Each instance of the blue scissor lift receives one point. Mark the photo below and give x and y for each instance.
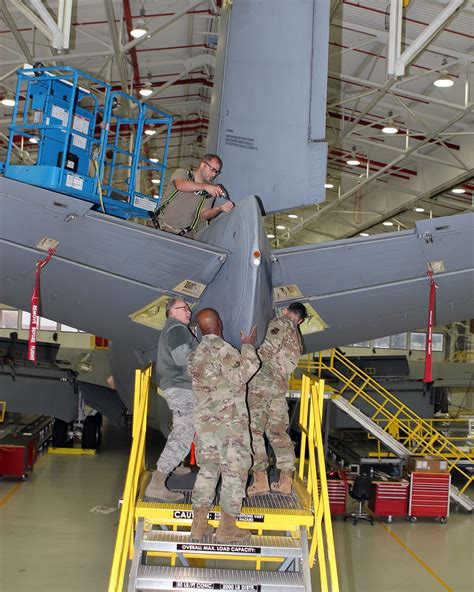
(79, 125)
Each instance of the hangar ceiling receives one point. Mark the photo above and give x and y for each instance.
(431, 153)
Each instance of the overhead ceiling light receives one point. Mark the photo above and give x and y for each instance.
(270, 236)
(33, 140)
(458, 190)
(390, 127)
(419, 210)
(8, 101)
(387, 223)
(146, 90)
(328, 185)
(150, 132)
(364, 234)
(154, 159)
(156, 181)
(293, 216)
(140, 27)
(444, 80)
(280, 227)
(353, 160)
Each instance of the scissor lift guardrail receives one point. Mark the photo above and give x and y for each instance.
(290, 534)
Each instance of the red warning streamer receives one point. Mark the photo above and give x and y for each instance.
(34, 307)
(428, 377)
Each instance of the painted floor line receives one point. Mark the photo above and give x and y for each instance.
(417, 558)
(10, 494)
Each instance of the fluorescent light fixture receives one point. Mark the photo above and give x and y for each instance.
(387, 223)
(352, 161)
(364, 234)
(140, 27)
(417, 209)
(292, 216)
(154, 159)
(150, 132)
(156, 181)
(8, 102)
(390, 127)
(280, 227)
(444, 80)
(328, 185)
(146, 90)
(139, 31)
(33, 140)
(458, 190)
(270, 236)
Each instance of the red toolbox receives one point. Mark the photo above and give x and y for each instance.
(429, 496)
(390, 499)
(14, 460)
(337, 491)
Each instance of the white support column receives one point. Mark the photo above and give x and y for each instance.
(64, 21)
(54, 32)
(394, 36)
(427, 36)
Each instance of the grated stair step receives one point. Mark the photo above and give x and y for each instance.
(179, 542)
(182, 578)
(461, 498)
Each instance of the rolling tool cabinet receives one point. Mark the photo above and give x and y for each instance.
(390, 499)
(429, 496)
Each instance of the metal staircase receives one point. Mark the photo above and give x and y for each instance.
(394, 424)
(290, 534)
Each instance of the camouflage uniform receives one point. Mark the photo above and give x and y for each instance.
(220, 375)
(267, 404)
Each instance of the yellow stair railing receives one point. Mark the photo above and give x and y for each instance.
(396, 418)
(443, 425)
(313, 473)
(136, 467)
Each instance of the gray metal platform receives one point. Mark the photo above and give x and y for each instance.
(181, 578)
(179, 542)
(271, 501)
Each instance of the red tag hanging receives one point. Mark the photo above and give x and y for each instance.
(428, 377)
(34, 307)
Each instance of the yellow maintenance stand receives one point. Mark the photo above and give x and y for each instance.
(290, 534)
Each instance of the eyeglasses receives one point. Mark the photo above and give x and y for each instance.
(178, 307)
(214, 170)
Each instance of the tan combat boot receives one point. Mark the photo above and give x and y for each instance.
(228, 532)
(259, 485)
(284, 484)
(158, 490)
(200, 528)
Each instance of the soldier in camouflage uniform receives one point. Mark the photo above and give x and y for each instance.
(279, 354)
(220, 375)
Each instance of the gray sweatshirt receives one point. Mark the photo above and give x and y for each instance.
(174, 347)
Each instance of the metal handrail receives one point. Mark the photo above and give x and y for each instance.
(136, 467)
(414, 433)
(312, 471)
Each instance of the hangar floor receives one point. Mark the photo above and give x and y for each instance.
(58, 531)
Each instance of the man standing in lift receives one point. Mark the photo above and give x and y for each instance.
(189, 198)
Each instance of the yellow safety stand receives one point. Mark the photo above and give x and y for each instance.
(290, 534)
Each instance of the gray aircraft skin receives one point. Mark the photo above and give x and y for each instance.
(106, 269)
